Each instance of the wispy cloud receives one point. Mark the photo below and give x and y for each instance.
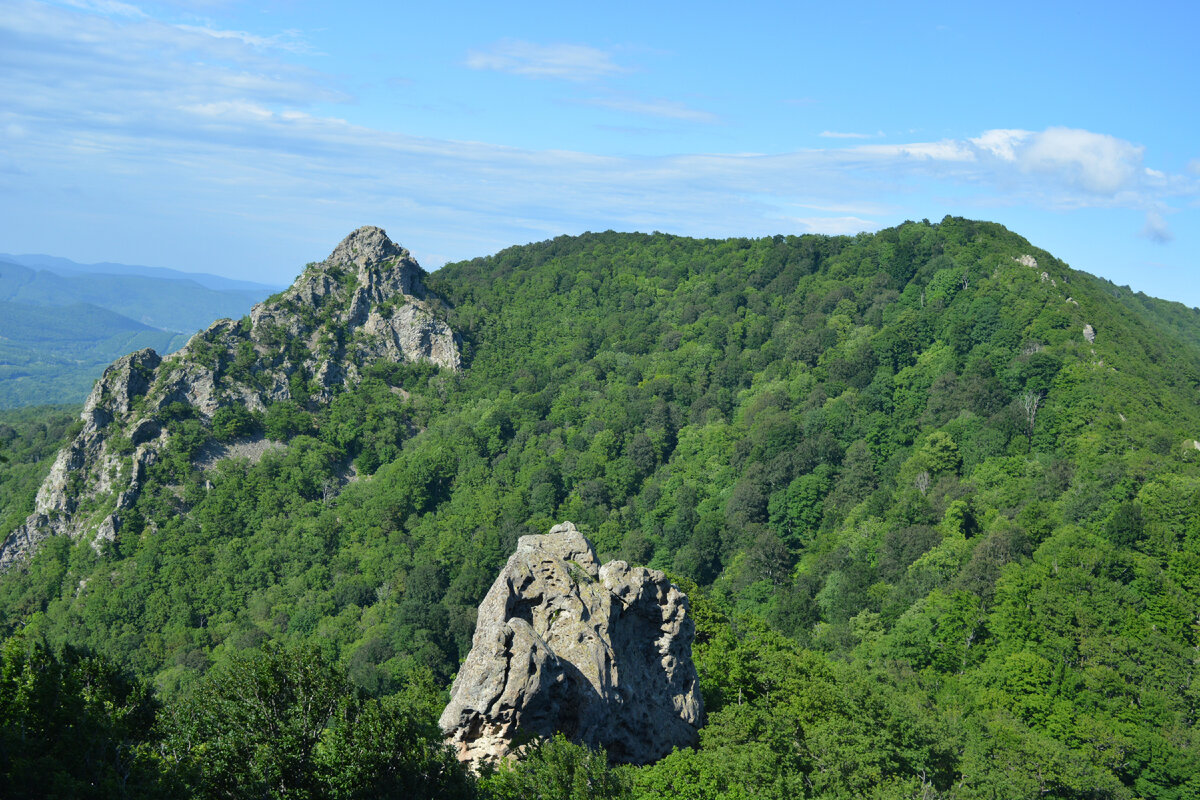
(1156, 228)
(291, 41)
(108, 7)
(572, 62)
(841, 135)
(661, 108)
(835, 226)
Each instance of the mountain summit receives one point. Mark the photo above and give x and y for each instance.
(367, 246)
(364, 303)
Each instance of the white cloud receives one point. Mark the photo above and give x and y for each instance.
(573, 62)
(1156, 228)
(664, 109)
(1094, 162)
(1001, 143)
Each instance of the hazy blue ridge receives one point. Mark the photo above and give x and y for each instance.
(64, 266)
(59, 331)
(177, 305)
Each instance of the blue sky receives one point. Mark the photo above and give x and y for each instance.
(248, 139)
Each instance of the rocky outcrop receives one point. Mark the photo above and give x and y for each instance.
(602, 654)
(364, 303)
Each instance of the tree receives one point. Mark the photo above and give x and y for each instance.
(556, 769)
(72, 725)
(285, 723)
(1031, 402)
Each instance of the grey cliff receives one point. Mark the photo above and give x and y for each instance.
(364, 303)
(602, 654)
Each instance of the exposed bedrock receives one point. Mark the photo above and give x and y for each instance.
(602, 654)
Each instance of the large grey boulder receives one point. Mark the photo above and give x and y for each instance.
(602, 654)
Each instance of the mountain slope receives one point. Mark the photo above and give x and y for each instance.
(178, 305)
(958, 478)
(58, 332)
(58, 352)
(364, 303)
(65, 266)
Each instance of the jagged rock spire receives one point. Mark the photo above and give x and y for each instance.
(367, 245)
(602, 654)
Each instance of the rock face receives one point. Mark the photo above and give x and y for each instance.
(602, 654)
(362, 304)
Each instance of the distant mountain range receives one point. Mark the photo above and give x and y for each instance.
(62, 322)
(65, 266)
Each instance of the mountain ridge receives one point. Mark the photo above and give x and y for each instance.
(59, 332)
(367, 285)
(66, 267)
(934, 497)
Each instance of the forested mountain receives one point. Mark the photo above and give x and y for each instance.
(934, 494)
(55, 354)
(59, 331)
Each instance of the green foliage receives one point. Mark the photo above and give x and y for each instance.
(233, 422)
(285, 723)
(556, 769)
(285, 419)
(72, 725)
(29, 439)
(908, 585)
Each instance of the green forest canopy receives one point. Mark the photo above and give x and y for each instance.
(938, 542)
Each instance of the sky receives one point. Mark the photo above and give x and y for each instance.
(248, 139)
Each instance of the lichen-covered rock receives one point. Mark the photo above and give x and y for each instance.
(362, 304)
(600, 654)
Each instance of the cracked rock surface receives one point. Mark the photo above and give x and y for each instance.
(602, 654)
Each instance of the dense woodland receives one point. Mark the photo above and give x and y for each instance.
(938, 543)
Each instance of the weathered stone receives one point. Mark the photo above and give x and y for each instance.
(362, 304)
(1089, 333)
(600, 654)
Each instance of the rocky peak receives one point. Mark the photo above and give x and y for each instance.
(602, 654)
(367, 246)
(123, 381)
(363, 304)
